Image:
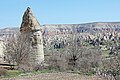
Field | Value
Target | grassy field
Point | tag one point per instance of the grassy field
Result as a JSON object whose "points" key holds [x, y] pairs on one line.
{"points": [[53, 76]]}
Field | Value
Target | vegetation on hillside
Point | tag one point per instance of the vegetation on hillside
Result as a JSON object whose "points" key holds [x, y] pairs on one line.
{"points": [[72, 54]]}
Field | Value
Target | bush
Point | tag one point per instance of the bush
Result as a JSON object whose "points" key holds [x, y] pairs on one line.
{"points": [[25, 68], [90, 72], [3, 72], [38, 67], [12, 73]]}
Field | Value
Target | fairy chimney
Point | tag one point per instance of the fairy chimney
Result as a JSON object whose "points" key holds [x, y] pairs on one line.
{"points": [[31, 26]]}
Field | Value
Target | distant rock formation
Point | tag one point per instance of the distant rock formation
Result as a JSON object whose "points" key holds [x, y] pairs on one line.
{"points": [[32, 28], [56, 34], [51, 32], [92, 31], [98, 28], [1, 51]]}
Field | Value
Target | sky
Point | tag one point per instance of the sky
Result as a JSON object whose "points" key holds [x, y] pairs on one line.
{"points": [[59, 11]]}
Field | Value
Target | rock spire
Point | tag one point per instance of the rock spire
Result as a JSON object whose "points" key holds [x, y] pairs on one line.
{"points": [[31, 26], [29, 22]]}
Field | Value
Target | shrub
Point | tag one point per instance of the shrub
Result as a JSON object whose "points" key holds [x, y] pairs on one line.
{"points": [[38, 67], [12, 73], [3, 72]]}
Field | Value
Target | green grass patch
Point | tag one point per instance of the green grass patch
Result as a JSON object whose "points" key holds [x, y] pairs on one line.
{"points": [[42, 71], [12, 73], [105, 53]]}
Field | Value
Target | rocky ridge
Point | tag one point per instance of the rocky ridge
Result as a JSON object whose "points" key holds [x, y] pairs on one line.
{"points": [[89, 29]]}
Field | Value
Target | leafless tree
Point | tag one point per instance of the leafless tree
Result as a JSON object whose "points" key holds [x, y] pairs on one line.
{"points": [[17, 50], [111, 65], [75, 56]]}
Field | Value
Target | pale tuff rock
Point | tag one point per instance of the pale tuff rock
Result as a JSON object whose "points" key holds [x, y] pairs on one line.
{"points": [[31, 26], [29, 22], [1, 51]]}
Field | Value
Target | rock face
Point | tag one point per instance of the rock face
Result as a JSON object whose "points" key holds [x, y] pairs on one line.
{"points": [[29, 22], [95, 27], [31, 27], [1, 51]]}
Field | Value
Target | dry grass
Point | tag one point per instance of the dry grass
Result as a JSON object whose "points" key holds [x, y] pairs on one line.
{"points": [[54, 76]]}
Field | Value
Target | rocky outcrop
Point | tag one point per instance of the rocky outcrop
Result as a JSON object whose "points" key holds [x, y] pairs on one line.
{"points": [[29, 22], [89, 32], [7, 33], [57, 35], [1, 51], [105, 30], [97, 27], [32, 28]]}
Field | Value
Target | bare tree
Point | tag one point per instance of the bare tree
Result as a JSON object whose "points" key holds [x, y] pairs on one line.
{"points": [[111, 66], [75, 56], [17, 50]]}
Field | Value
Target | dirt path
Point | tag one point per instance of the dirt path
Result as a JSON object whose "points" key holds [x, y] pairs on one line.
{"points": [[54, 76]]}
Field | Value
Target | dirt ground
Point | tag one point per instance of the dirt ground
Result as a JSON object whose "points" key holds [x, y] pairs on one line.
{"points": [[54, 76]]}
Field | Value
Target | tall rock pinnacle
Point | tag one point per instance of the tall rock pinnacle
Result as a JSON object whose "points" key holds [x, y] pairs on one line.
{"points": [[31, 26], [29, 22]]}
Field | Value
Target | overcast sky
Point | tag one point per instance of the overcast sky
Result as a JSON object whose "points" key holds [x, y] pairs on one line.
{"points": [[59, 11]]}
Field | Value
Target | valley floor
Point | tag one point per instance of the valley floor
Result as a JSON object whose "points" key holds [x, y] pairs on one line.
{"points": [[54, 76]]}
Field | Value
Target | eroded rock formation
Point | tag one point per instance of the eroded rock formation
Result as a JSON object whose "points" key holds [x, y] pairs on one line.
{"points": [[32, 28]]}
